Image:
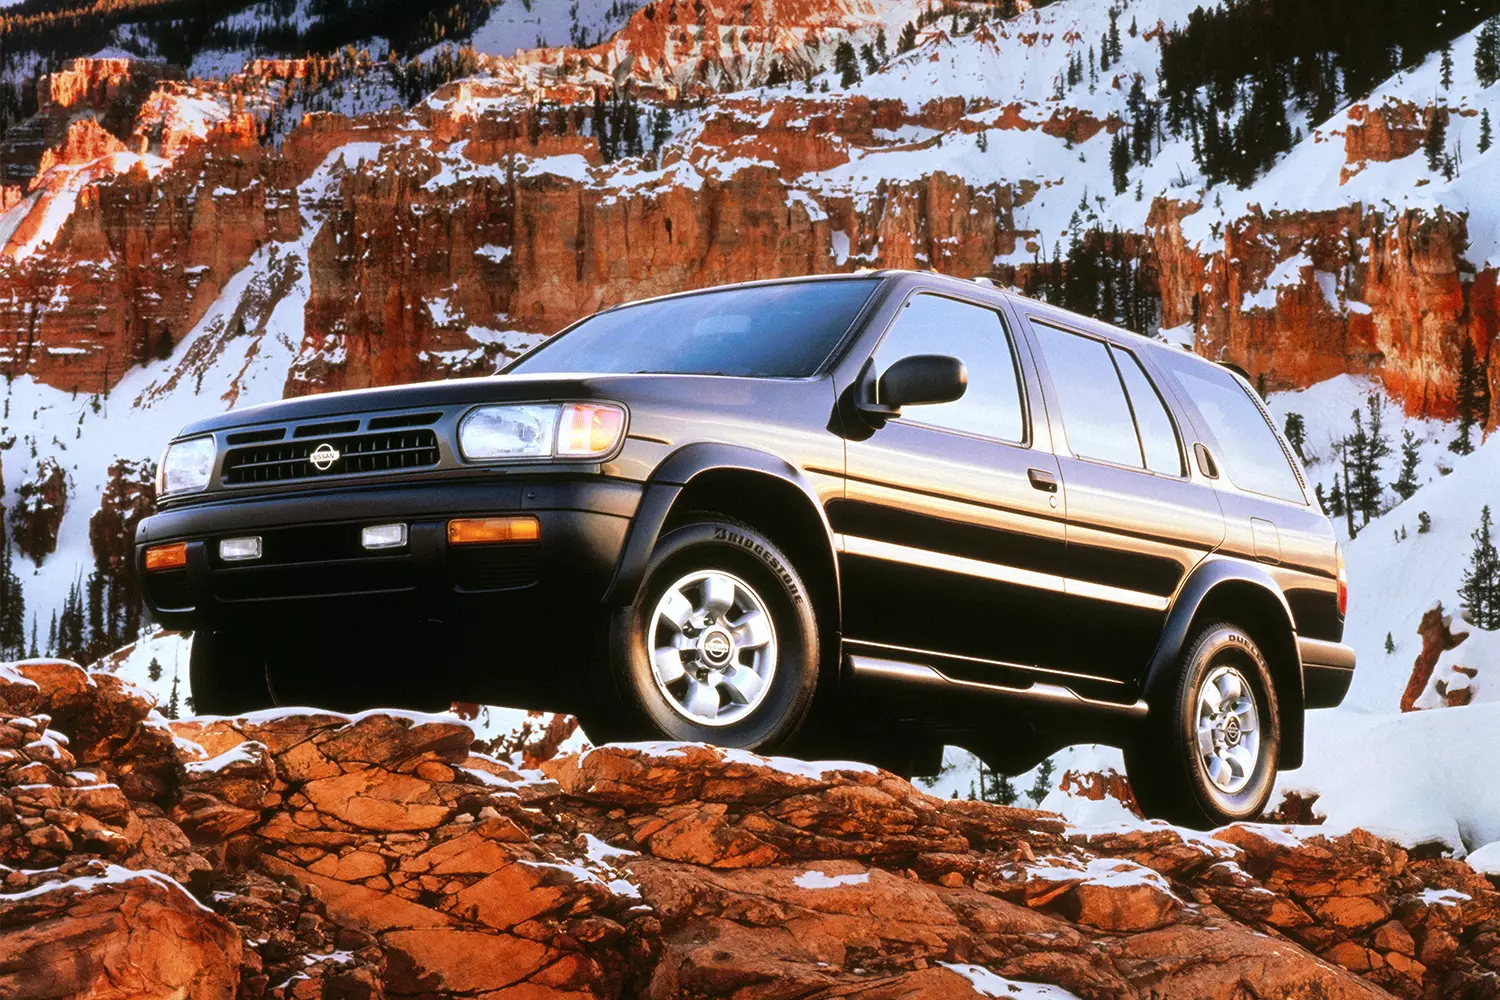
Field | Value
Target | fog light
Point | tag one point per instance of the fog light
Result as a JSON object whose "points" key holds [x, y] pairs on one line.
{"points": [[240, 549], [383, 536], [162, 557], [487, 530]]}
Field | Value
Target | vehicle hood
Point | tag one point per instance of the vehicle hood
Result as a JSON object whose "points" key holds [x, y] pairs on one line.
{"points": [[493, 389]]}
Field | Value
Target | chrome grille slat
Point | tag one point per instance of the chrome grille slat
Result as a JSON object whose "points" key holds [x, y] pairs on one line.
{"points": [[369, 453]]}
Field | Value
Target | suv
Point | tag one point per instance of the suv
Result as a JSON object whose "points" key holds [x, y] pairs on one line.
{"points": [[919, 510]]}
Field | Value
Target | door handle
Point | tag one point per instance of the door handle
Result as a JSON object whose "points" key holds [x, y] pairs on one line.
{"points": [[1042, 480]]}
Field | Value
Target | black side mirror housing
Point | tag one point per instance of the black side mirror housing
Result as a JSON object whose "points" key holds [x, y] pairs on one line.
{"points": [[919, 380]]}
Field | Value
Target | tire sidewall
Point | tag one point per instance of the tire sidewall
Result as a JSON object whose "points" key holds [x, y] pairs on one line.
{"points": [[742, 551], [1228, 646]]}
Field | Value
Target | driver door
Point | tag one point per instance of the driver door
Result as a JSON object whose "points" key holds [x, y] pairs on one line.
{"points": [[952, 527]]}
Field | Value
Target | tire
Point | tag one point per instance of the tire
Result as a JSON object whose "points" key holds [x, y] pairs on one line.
{"points": [[227, 675], [738, 642], [1222, 681]]}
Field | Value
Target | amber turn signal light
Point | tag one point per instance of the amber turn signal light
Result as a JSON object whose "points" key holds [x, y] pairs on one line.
{"points": [[162, 557], [488, 530]]}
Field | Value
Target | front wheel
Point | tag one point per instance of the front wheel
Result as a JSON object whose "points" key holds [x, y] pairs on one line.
{"points": [[1208, 756], [720, 646]]}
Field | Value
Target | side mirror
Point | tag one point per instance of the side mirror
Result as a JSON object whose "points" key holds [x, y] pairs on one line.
{"points": [[921, 380]]}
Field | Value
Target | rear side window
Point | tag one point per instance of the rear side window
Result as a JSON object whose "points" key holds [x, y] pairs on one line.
{"points": [[1095, 411], [931, 324], [1252, 454], [1158, 437]]}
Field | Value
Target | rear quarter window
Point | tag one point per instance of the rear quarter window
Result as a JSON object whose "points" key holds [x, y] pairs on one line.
{"points": [[1249, 449]]}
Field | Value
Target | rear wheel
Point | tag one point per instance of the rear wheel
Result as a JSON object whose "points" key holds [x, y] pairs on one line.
{"points": [[720, 646], [1209, 754]]}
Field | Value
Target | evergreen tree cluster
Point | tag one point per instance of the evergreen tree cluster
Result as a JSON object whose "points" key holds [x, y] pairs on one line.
{"points": [[1361, 453], [1229, 73], [619, 121], [1106, 274], [12, 604]]}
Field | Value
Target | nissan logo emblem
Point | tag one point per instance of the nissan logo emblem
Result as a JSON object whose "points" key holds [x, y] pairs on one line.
{"points": [[323, 457], [717, 646]]}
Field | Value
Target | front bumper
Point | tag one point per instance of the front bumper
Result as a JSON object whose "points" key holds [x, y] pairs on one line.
{"points": [[314, 567]]}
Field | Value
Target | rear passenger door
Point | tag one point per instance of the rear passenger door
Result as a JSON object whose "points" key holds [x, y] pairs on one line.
{"points": [[1138, 519], [951, 530]]}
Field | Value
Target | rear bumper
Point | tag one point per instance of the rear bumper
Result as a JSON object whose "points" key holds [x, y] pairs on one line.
{"points": [[315, 574], [1327, 672]]}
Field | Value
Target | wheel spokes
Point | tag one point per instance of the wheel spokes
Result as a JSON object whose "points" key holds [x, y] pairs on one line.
{"points": [[718, 594], [676, 608], [667, 662], [742, 685], [753, 631], [702, 699]]}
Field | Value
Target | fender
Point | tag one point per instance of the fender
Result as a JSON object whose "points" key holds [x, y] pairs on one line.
{"points": [[675, 473], [1207, 575]]}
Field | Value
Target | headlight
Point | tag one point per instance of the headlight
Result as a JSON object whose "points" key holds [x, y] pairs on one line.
{"points": [[541, 430], [187, 466]]}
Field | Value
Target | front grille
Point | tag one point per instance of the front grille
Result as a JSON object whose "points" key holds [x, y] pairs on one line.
{"points": [[358, 454]]}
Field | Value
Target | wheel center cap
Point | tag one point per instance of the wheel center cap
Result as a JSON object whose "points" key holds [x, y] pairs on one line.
{"points": [[1232, 731], [716, 647]]}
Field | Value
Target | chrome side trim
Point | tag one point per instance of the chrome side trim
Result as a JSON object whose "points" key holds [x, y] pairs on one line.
{"points": [[874, 548], [1324, 653], [920, 675], [1003, 664]]}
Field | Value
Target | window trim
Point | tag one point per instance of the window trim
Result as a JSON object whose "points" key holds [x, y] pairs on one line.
{"points": [[1022, 394], [1110, 347]]}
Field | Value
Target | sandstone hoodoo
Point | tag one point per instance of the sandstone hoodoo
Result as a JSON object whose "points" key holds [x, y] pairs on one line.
{"points": [[306, 854]]}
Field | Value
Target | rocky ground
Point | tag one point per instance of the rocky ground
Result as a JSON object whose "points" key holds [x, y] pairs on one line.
{"points": [[303, 854]]}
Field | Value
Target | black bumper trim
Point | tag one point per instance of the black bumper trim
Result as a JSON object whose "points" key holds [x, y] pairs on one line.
{"points": [[1327, 671]]}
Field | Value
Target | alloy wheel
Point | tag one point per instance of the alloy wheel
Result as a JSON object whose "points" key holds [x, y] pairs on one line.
{"points": [[713, 647], [1228, 725]]}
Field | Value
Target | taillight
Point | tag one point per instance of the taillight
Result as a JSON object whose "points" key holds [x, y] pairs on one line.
{"points": [[1343, 581]]}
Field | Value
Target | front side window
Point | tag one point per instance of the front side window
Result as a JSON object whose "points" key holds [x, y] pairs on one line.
{"points": [[1095, 411], [932, 324], [1251, 453], [768, 331]]}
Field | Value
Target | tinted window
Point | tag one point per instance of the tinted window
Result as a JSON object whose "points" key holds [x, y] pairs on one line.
{"points": [[930, 324], [1095, 413], [1158, 439], [773, 331], [1250, 451]]}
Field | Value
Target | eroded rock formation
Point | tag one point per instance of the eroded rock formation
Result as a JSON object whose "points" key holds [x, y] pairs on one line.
{"points": [[308, 854]]}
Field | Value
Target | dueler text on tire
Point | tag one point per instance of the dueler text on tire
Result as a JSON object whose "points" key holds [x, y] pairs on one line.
{"points": [[1208, 754], [720, 646]]}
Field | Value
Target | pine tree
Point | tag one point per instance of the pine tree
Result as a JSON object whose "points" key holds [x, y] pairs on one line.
{"points": [[1390, 644], [846, 63], [34, 651], [867, 53], [1406, 485], [1042, 787], [1296, 434], [1470, 403], [1437, 138], [153, 669], [12, 606], [174, 708], [908, 38], [1424, 522], [880, 44], [1487, 53], [1480, 594], [1446, 67], [1322, 500], [1119, 162], [1486, 134], [661, 128]]}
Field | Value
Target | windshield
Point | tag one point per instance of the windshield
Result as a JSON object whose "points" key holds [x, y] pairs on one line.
{"points": [[769, 331]]}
